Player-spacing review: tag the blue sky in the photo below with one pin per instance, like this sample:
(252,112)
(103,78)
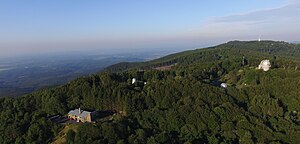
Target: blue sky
(40,26)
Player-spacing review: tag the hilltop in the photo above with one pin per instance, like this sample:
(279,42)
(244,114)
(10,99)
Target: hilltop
(254,50)
(179,103)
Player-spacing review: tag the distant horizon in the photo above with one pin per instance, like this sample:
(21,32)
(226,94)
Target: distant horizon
(118,51)
(58,26)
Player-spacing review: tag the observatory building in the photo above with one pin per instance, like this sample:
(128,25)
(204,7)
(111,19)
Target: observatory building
(133,81)
(265,65)
(223,85)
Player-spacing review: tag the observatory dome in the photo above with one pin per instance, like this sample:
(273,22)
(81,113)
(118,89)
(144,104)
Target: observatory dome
(266,62)
(265,65)
(223,85)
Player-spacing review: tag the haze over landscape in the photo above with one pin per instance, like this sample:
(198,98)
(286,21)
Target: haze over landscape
(34,27)
(54,32)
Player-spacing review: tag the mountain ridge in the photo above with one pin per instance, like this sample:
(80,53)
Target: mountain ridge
(264,47)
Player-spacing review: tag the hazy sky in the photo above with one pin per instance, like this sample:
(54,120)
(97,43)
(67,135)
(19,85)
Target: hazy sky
(44,26)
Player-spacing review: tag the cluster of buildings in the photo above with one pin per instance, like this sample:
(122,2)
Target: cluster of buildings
(134,81)
(265,65)
(86,116)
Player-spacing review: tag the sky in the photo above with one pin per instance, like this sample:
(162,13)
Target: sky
(57,26)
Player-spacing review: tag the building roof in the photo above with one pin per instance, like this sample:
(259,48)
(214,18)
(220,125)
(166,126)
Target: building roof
(81,114)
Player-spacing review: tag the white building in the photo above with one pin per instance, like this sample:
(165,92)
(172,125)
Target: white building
(133,81)
(265,65)
(223,85)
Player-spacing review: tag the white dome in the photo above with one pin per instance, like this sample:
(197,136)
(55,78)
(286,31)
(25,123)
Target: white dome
(223,85)
(265,65)
(133,80)
(266,62)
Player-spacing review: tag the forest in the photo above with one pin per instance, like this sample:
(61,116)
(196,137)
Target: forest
(184,104)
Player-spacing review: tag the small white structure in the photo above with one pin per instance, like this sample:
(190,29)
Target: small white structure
(133,81)
(223,85)
(265,65)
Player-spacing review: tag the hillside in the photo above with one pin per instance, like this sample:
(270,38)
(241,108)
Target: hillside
(24,75)
(267,49)
(181,104)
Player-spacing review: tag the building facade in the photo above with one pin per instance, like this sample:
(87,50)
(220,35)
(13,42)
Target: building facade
(80,115)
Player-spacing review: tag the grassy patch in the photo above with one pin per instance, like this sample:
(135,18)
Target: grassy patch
(61,137)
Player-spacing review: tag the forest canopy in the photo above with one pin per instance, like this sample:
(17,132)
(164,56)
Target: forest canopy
(183,104)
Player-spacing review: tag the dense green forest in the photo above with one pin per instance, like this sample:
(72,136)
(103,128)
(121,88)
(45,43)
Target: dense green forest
(182,105)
